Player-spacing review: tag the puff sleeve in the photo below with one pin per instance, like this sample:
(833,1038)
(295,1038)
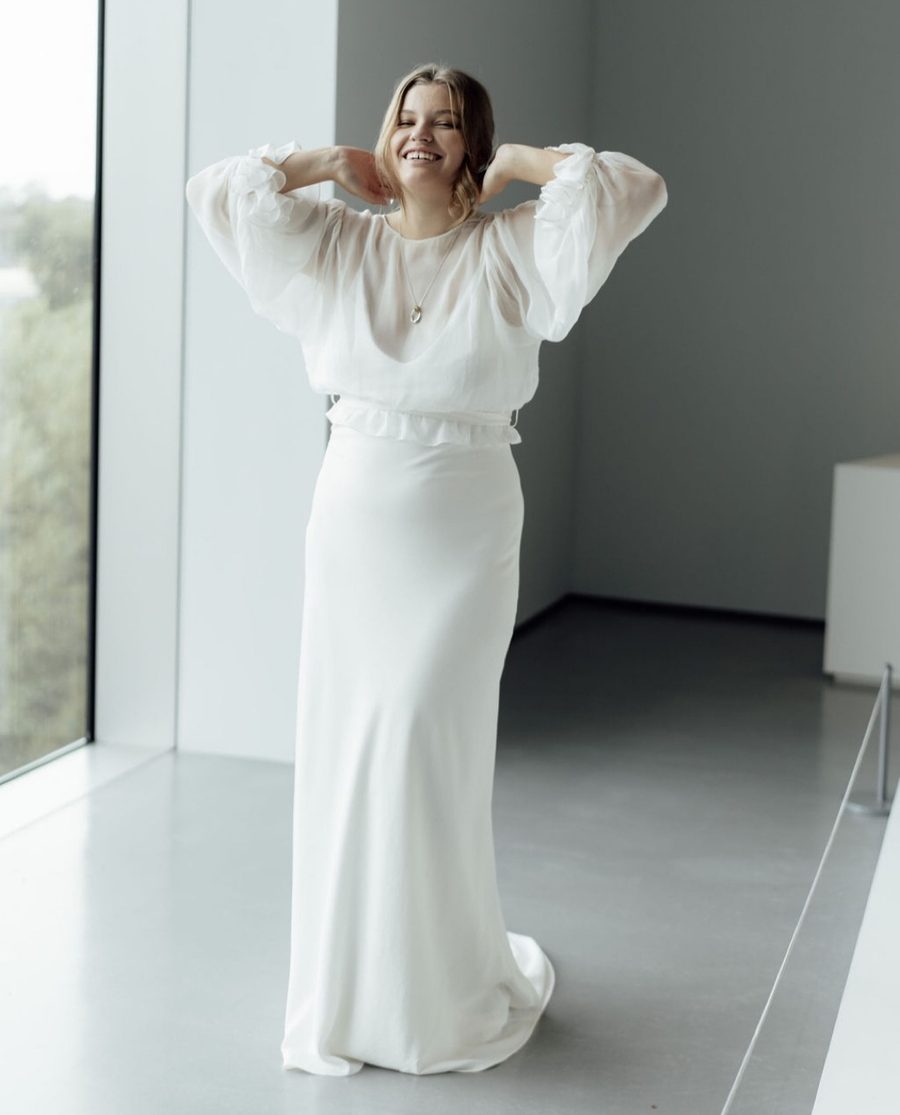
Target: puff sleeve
(278,246)
(554,253)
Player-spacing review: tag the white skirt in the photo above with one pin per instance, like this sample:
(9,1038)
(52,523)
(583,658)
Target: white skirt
(399,953)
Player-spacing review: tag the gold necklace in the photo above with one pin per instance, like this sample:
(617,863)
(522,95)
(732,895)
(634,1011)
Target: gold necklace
(415,314)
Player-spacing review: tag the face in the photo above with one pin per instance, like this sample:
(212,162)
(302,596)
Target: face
(427,125)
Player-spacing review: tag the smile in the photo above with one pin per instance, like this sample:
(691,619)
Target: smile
(422,156)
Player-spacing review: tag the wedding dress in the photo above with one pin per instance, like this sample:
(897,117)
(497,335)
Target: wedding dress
(400,956)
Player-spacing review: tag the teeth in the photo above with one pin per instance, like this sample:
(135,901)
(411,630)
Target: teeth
(422,157)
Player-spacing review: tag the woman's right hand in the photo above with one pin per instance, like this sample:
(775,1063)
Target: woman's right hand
(355,171)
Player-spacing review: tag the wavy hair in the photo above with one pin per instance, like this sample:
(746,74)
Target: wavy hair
(472,104)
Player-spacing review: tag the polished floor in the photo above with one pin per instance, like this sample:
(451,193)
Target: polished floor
(665,783)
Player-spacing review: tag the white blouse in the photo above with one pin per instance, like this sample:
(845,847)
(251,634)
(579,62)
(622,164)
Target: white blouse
(333,277)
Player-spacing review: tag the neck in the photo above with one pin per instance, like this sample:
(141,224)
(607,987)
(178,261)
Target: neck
(421,217)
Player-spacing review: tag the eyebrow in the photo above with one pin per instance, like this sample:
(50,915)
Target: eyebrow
(438,112)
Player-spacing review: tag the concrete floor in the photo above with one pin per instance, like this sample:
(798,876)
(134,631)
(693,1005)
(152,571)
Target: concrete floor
(665,783)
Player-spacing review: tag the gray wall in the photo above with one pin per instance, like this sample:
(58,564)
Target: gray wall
(751,338)
(536,63)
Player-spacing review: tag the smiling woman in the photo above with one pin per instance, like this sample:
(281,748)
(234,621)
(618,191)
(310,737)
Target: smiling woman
(421,159)
(446,113)
(427,321)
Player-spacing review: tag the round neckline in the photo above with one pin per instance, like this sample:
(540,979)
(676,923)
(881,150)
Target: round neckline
(425,239)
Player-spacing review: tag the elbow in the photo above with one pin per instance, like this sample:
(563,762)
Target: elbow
(661,193)
(192,191)
(653,199)
(558,329)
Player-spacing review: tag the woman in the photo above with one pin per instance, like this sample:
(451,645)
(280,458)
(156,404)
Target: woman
(426,321)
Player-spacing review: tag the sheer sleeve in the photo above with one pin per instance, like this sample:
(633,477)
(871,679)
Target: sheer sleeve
(552,254)
(278,246)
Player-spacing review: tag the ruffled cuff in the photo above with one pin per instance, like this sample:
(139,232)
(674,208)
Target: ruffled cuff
(561,195)
(261,184)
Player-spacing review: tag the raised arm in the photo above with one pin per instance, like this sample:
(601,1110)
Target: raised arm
(351,167)
(307,167)
(277,244)
(517,162)
(557,250)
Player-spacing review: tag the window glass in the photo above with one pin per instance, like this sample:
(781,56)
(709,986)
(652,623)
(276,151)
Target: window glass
(48,150)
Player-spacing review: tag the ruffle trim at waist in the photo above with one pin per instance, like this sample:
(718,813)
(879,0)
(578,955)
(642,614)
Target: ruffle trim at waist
(428,428)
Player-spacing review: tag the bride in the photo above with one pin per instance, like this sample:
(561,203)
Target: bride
(423,324)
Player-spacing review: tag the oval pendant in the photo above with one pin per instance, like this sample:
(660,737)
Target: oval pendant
(416,314)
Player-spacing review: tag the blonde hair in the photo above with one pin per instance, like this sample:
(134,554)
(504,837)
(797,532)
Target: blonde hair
(470,101)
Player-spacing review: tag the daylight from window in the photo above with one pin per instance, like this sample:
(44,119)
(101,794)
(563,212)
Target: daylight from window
(48,88)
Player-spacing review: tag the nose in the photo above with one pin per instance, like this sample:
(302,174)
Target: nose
(420,133)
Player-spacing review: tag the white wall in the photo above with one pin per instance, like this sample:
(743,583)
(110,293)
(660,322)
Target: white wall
(536,62)
(140,372)
(210,438)
(214,448)
(749,340)
(254,432)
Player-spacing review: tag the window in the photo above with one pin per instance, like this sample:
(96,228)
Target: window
(49,86)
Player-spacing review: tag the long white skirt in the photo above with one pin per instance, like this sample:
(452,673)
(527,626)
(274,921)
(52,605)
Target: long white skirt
(399,953)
